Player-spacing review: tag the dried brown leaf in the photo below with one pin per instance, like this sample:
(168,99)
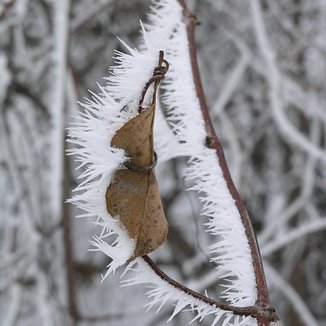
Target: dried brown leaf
(133,197)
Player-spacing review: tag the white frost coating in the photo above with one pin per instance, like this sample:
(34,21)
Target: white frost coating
(103,116)
(165,143)
(163,17)
(91,135)
(161,292)
(231,251)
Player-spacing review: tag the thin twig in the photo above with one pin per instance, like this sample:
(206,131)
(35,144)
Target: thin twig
(158,75)
(262,310)
(213,142)
(253,311)
(298,233)
(274,79)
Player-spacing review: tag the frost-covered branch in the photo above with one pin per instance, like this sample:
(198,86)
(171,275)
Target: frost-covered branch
(230,86)
(57,109)
(213,143)
(289,237)
(306,191)
(164,289)
(274,80)
(235,250)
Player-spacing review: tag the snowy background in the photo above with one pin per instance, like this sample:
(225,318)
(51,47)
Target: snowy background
(264,75)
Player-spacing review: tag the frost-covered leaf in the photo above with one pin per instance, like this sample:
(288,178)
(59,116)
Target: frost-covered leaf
(133,196)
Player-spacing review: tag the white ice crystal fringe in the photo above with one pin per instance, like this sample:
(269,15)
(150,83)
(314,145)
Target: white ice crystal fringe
(91,136)
(161,292)
(231,252)
(165,142)
(94,128)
